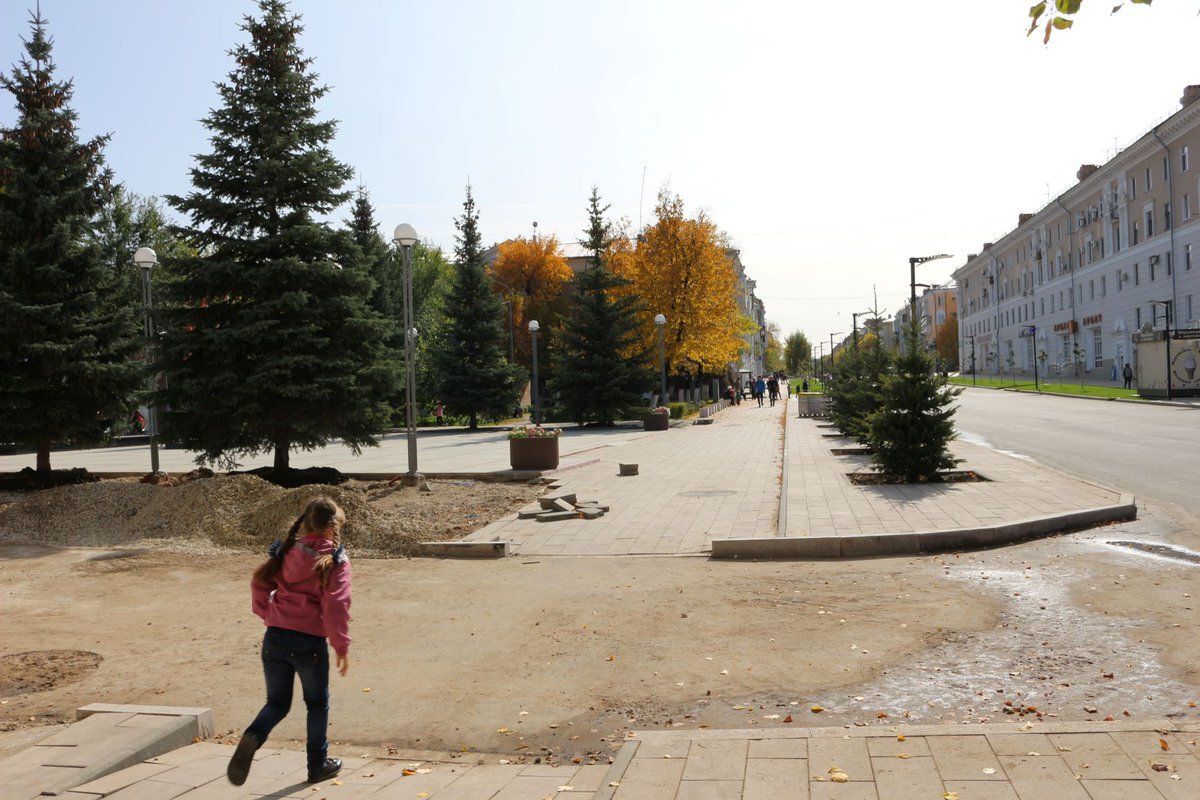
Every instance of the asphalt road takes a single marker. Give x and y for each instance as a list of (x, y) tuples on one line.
[(1148, 450)]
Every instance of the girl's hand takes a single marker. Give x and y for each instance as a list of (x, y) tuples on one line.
[(343, 664)]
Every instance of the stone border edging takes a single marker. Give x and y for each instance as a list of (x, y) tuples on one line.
[(1150, 401), (894, 544), (454, 549)]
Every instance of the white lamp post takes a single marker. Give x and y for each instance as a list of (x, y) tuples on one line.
[(660, 321), (405, 237), (145, 259), (537, 403)]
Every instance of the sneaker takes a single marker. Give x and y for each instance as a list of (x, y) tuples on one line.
[(331, 767), (243, 756)]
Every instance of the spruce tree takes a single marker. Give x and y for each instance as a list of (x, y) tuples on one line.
[(275, 344), (384, 268), (601, 369), (473, 378), (68, 343), (855, 389), (910, 434)]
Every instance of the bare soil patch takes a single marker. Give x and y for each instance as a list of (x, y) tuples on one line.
[(246, 513), (953, 476), (44, 670)]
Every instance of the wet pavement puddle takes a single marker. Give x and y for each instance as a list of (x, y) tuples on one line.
[(1154, 549)]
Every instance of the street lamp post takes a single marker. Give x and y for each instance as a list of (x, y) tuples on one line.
[(660, 322), (912, 275), (1166, 304), (405, 236), (146, 259), (839, 333), (537, 401), (854, 323)]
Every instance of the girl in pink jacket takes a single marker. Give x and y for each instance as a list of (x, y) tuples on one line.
[(302, 592)]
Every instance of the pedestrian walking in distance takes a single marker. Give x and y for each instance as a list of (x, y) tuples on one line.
[(302, 592), (1127, 374)]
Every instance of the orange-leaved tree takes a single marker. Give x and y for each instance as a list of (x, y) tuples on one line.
[(679, 268), (533, 272)]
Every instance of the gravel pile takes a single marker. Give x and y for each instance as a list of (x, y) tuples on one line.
[(246, 513)]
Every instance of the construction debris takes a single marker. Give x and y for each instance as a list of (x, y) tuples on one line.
[(553, 508), (628, 469)]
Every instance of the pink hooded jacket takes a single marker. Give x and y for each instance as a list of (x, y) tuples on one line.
[(299, 603)]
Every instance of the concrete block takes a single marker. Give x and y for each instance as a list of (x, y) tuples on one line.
[(548, 501), (628, 469), (582, 504), (778, 547), (464, 549), (591, 513), (204, 716), (530, 512), (557, 516), (704, 421), (562, 505)]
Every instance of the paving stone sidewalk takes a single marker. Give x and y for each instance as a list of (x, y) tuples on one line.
[(694, 483), (1147, 760)]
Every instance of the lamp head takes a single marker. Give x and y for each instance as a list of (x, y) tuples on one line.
[(533, 326), (660, 319), (405, 235), (145, 258)]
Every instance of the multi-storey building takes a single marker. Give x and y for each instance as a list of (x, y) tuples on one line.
[(1066, 290), (753, 355)]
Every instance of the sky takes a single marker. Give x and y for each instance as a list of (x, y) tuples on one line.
[(830, 140)]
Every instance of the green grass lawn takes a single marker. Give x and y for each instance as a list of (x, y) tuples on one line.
[(1024, 384), (814, 385)]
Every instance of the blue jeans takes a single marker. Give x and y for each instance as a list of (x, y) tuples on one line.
[(286, 654)]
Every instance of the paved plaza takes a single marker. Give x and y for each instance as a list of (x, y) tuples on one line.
[(757, 474)]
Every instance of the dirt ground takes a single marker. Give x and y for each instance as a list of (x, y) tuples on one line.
[(560, 658)]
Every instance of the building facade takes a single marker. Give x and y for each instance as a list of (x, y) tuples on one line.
[(1066, 290)]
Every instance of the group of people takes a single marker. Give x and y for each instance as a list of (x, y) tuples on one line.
[(767, 387)]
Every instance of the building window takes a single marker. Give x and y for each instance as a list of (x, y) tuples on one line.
[(1183, 159), (1187, 207), (1137, 315), (1148, 215), (1166, 170), (1103, 285), (1187, 258), (1189, 308), (1097, 347), (1166, 216), (1169, 266), (1137, 274), (1132, 188), (1091, 290), (1149, 182), (1134, 239), (1152, 270), (1044, 307)]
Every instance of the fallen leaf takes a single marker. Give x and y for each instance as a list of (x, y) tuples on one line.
[(407, 772), (770, 716), (903, 755), (566, 788), (788, 718), (724, 672), (366, 688), (989, 771), (1063, 749), (949, 795), (1162, 743), (900, 737), (839, 777), (336, 782), (816, 709), (1158, 767)]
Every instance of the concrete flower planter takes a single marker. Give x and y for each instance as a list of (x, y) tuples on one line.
[(656, 422), (534, 452)]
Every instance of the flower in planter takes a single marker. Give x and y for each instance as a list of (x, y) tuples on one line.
[(534, 432), (660, 410)]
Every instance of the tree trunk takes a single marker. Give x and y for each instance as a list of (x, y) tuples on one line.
[(43, 455), (283, 452), (474, 426)]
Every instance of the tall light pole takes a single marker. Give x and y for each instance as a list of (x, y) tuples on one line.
[(912, 276), (1166, 304), (660, 322), (854, 322), (839, 333), (145, 258), (537, 402), (405, 237)]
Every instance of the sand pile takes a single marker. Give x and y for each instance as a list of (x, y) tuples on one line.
[(246, 513)]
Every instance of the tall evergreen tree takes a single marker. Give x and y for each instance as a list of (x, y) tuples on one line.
[(855, 388), (601, 369), (473, 377), (911, 432), (67, 343), (276, 345), (387, 296)]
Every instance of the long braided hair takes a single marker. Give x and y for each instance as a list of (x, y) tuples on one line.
[(320, 514)]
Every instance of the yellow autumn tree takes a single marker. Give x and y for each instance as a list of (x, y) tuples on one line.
[(532, 272), (679, 268)]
